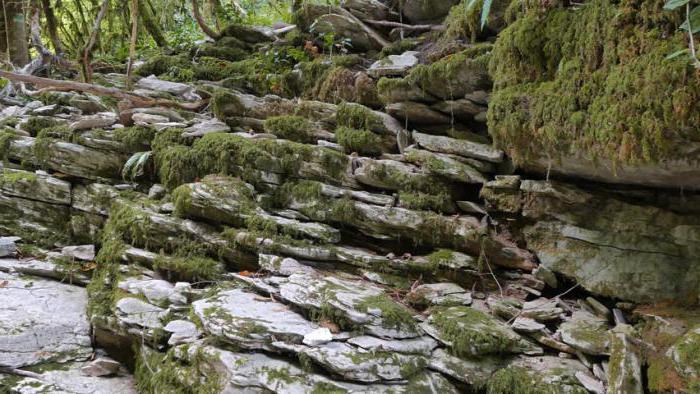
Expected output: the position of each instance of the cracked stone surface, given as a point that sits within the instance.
(42, 321)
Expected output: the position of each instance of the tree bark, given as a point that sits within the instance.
(87, 51)
(52, 26)
(152, 27)
(202, 23)
(16, 32)
(132, 46)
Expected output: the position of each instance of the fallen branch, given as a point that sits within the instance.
(405, 26)
(19, 372)
(128, 100)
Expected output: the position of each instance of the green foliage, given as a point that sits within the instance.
(364, 142)
(135, 167)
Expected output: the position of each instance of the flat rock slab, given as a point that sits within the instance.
(42, 321)
(68, 379)
(365, 366)
(357, 301)
(250, 321)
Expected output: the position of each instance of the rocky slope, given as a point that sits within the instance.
(344, 223)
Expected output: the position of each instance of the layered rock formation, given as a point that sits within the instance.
(346, 224)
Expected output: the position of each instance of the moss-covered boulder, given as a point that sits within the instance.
(685, 356)
(622, 113)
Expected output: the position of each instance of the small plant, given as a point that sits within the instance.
(691, 25)
(135, 166)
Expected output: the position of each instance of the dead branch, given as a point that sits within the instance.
(405, 26)
(128, 100)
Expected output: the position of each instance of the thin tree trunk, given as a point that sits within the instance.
(201, 22)
(87, 51)
(132, 46)
(16, 32)
(152, 27)
(52, 26)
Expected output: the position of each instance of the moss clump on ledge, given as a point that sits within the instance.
(183, 372)
(394, 315)
(36, 124)
(228, 154)
(521, 381)
(136, 138)
(471, 332)
(364, 142)
(293, 128)
(623, 100)
(162, 64)
(357, 117)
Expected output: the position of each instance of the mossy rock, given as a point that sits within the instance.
(364, 142)
(472, 333)
(162, 64)
(294, 128)
(622, 104)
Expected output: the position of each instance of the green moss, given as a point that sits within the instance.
(517, 380)
(623, 101)
(169, 137)
(102, 289)
(158, 373)
(441, 202)
(358, 117)
(190, 268)
(6, 139)
(37, 123)
(337, 85)
(136, 138)
(448, 74)
(228, 154)
(394, 315)
(471, 332)
(162, 64)
(294, 128)
(327, 388)
(222, 50)
(61, 132)
(688, 349)
(225, 104)
(399, 47)
(363, 142)
(12, 177)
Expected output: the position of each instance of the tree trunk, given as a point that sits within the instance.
(52, 26)
(132, 44)
(87, 51)
(201, 22)
(152, 27)
(16, 32)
